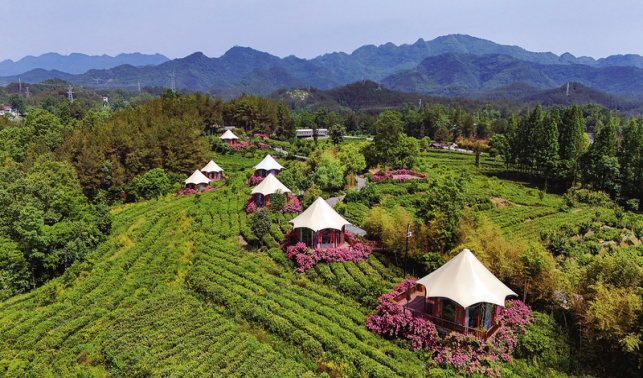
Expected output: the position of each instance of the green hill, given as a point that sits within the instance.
(173, 293)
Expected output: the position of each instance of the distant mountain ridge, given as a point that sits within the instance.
(76, 63)
(455, 74)
(452, 65)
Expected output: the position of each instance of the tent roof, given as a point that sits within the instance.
(228, 135)
(197, 178)
(212, 167)
(319, 216)
(269, 163)
(270, 185)
(465, 280)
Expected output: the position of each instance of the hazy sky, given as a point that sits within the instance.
(307, 28)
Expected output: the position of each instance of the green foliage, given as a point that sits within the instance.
(153, 184)
(260, 224)
(368, 196)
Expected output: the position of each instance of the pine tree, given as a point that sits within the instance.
(631, 160)
(547, 159)
(571, 142)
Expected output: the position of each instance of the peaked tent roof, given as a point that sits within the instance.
(270, 185)
(197, 178)
(269, 163)
(465, 280)
(228, 135)
(212, 167)
(319, 216)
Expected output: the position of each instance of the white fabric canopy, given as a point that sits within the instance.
(270, 185)
(467, 281)
(228, 135)
(197, 178)
(212, 167)
(319, 216)
(268, 163)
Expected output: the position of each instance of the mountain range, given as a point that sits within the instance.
(76, 63)
(453, 65)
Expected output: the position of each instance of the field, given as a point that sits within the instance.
(200, 304)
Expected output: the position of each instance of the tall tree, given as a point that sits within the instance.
(547, 154)
(336, 133)
(631, 160)
(571, 142)
(600, 166)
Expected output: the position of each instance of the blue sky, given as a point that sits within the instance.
(307, 28)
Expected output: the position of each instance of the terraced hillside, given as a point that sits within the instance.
(173, 293)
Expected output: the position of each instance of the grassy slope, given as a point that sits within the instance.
(172, 293)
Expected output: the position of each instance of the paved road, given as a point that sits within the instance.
(279, 149)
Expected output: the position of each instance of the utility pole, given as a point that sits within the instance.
(27, 94)
(70, 94)
(406, 254)
(420, 107)
(568, 88)
(139, 87)
(20, 85)
(96, 80)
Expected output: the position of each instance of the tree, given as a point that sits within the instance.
(295, 177)
(260, 223)
(500, 143)
(321, 121)
(445, 204)
(631, 160)
(330, 173)
(153, 184)
(571, 144)
(547, 153)
(336, 132)
(442, 135)
(600, 166)
(351, 158)
(277, 201)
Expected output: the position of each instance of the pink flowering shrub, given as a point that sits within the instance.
(400, 175)
(305, 258)
(250, 206)
(466, 353)
(187, 192)
(240, 145)
(255, 180)
(292, 204)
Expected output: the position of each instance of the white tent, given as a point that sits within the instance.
(466, 281)
(270, 185)
(197, 178)
(228, 135)
(319, 216)
(212, 167)
(269, 163)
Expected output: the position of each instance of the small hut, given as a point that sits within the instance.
(264, 191)
(267, 166)
(229, 138)
(320, 226)
(197, 179)
(463, 295)
(212, 171)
